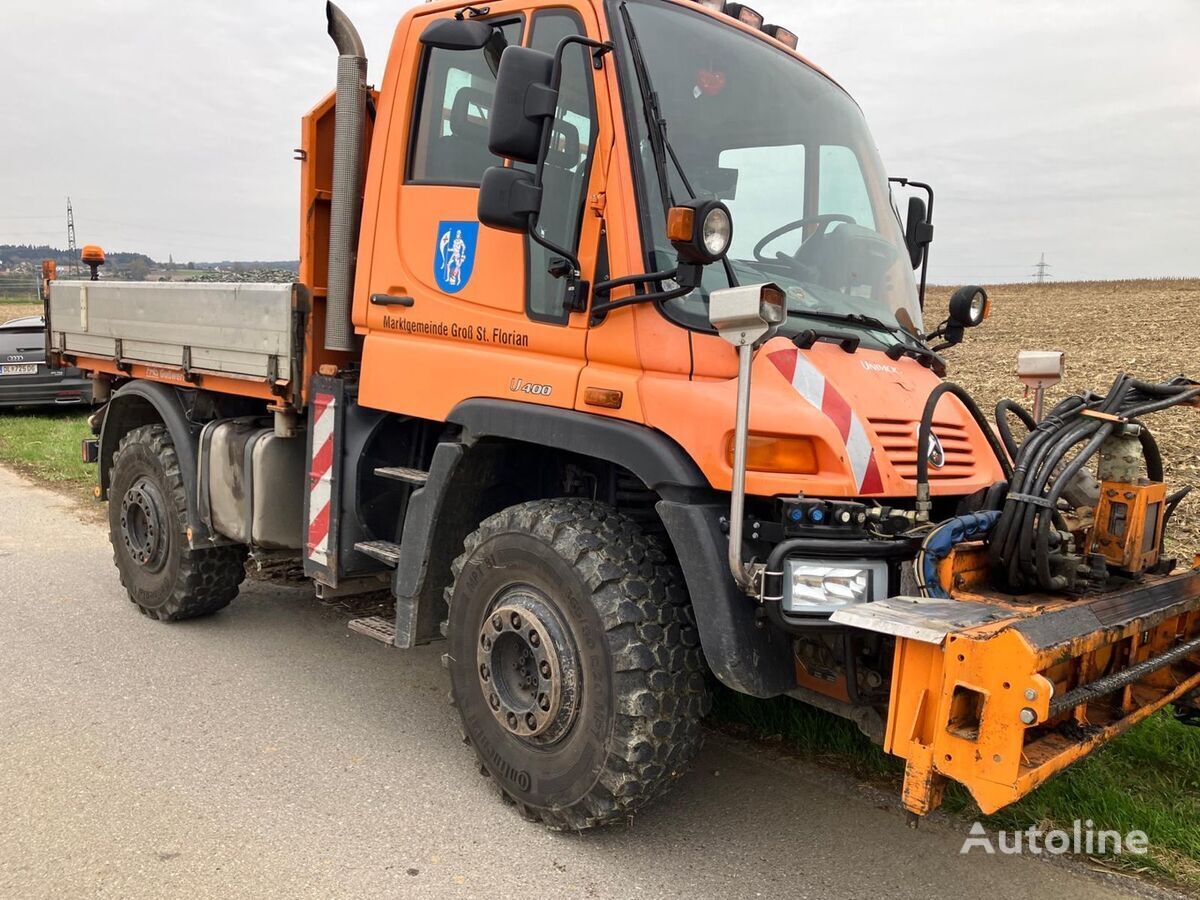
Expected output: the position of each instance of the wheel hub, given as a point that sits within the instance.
(143, 524)
(527, 666)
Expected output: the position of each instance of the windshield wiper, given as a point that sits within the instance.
(660, 143)
(917, 351)
(852, 318)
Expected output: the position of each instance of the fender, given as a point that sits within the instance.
(658, 461)
(151, 403)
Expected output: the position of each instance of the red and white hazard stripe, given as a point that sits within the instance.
(811, 384)
(320, 478)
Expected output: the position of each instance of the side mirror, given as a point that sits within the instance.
(525, 98)
(457, 34)
(507, 197)
(918, 232)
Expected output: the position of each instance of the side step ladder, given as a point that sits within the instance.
(377, 627)
(399, 473)
(384, 551)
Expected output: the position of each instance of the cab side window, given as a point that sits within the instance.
(568, 163)
(451, 126)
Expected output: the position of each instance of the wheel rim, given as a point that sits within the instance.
(144, 525)
(527, 666)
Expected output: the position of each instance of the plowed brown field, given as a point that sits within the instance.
(1150, 329)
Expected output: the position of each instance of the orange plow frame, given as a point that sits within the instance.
(1001, 693)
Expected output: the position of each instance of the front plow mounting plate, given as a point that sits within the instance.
(1000, 693)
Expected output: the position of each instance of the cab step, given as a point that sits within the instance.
(384, 551)
(399, 473)
(377, 627)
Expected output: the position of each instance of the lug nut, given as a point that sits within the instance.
(531, 721)
(544, 702)
(486, 642)
(516, 620)
(1028, 716)
(535, 639)
(511, 718)
(544, 668)
(494, 701)
(498, 622)
(484, 672)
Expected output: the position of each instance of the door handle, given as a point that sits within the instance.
(391, 300)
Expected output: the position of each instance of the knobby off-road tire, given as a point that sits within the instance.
(574, 661)
(147, 525)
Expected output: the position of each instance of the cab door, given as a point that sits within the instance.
(454, 310)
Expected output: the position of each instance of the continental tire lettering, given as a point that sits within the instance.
(519, 386)
(519, 777)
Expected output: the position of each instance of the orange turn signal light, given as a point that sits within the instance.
(681, 223)
(776, 453)
(603, 397)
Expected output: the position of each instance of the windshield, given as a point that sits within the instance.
(790, 154)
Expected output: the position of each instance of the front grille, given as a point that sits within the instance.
(898, 438)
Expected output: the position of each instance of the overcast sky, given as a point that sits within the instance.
(1070, 128)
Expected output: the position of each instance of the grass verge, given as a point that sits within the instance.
(1146, 780)
(46, 445)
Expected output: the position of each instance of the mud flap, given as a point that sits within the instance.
(1000, 696)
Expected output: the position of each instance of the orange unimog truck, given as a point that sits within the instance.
(607, 355)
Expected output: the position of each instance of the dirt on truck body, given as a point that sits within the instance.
(609, 355)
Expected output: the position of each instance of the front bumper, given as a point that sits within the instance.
(49, 387)
(1001, 695)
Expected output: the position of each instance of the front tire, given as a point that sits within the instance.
(575, 662)
(147, 526)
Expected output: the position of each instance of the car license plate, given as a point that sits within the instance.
(26, 369)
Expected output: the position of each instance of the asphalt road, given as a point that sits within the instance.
(267, 751)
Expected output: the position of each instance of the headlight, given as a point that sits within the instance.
(822, 586)
(718, 231)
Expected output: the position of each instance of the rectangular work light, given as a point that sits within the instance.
(819, 587)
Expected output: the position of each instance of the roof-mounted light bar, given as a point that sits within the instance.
(754, 19)
(782, 35)
(744, 14)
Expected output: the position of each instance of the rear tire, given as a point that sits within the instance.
(147, 526)
(575, 662)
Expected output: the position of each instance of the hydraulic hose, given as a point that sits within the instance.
(926, 431)
(1025, 547)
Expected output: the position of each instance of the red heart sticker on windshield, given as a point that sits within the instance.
(710, 82)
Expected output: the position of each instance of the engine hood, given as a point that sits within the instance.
(862, 411)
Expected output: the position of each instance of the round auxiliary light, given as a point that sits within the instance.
(969, 306)
(717, 232)
(796, 514)
(817, 515)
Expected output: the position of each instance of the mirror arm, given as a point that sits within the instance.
(600, 310)
(906, 182)
(607, 287)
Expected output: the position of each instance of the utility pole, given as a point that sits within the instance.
(1041, 274)
(72, 249)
